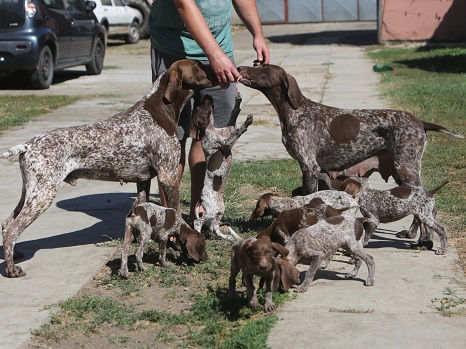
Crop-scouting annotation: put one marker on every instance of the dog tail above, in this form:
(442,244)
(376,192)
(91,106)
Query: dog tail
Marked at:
(428,126)
(433,191)
(17,149)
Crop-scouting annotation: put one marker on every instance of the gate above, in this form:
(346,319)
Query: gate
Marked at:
(300,11)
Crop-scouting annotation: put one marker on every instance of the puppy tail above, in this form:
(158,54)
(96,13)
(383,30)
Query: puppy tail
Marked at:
(17,149)
(433,191)
(428,126)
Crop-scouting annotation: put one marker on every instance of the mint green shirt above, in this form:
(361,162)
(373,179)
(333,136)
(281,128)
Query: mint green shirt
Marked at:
(168,34)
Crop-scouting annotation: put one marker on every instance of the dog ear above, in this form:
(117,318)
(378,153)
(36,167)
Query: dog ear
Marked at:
(194,243)
(280,249)
(261,205)
(293,91)
(289,274)
(173,85)
(244,249)
(351,187)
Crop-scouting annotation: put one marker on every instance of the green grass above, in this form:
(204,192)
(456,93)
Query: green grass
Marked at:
(17,110)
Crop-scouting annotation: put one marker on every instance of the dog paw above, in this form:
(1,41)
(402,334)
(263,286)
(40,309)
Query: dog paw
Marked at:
(300,289)
(350,275)
(370,282)
(441,251)
(254,306)
(405,234)
(123,274)
(15,272)
(270,307)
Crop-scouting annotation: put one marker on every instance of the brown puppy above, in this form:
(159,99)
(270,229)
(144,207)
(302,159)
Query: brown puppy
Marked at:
(255,257)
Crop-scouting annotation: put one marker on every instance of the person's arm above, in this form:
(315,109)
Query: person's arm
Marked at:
(222,66)
(247,12)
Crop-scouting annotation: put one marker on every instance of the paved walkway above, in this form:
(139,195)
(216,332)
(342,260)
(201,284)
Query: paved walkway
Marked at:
(61,247)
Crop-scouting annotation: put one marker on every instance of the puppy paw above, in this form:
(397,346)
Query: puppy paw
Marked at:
(441,251)
(370,282)
(405,234)
(300,289)
(254,306)
(123,273)
(270,307)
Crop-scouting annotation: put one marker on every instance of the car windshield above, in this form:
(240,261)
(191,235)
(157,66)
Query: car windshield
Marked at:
(11,14)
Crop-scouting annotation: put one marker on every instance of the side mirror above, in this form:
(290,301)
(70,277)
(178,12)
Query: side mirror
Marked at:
(90,5)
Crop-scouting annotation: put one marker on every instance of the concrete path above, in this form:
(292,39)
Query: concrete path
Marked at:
(62,247)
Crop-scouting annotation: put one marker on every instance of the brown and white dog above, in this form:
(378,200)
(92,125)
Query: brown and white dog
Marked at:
(150,221)
(256,257)
(133,146)
(217,144)
(325,138)
(290,221)
(385,206)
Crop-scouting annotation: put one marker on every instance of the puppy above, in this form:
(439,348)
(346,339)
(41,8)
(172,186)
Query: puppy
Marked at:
(256,257)
(150,221)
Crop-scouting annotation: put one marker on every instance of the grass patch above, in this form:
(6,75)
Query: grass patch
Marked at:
(430,82)
(17,110)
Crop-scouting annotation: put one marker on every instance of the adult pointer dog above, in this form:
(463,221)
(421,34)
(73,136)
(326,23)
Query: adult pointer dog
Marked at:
(132,146)
(323,138)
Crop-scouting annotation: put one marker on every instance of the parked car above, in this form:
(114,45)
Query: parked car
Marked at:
(40,37)
(118,20)
(142,6)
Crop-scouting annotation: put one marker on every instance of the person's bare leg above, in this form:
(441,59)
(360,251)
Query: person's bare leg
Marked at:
(163,200)
(197,167)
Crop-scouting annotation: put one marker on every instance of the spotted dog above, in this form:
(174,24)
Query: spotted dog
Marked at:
(217,144)
(324,138)
(150,221)
(132,146)
(317,244)
(290,221)
(271,204)
(385,206)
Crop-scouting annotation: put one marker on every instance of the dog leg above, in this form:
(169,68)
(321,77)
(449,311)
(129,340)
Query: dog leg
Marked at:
(251,292)
(310,273)
(123,272)
(269,306)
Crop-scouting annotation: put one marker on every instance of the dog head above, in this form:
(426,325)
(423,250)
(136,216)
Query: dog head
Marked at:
(273,81)
(257,255)
(262,206)
(187,74)
(192,243)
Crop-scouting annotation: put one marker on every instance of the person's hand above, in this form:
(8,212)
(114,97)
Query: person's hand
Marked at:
(262,50)
(224,70)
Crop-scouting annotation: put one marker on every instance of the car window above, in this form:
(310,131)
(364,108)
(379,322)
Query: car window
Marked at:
(59,4)
(118,3)
(75,6)
(106,2)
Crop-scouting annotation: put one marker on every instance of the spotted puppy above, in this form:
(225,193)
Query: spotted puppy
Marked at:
(132,146)
(318,243)
(271,204)
(324,138)
(217,144)
(385,206)
(290,221)
(150,221)
(256,257)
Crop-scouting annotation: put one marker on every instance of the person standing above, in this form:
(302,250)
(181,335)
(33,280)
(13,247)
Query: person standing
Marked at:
(200,30)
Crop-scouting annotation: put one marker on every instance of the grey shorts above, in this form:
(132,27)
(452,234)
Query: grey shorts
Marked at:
(224,100)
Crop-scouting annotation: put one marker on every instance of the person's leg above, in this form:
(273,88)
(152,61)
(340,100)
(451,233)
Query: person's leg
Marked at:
(197,166)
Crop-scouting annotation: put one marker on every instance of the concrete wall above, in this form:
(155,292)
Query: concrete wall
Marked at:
(435,20)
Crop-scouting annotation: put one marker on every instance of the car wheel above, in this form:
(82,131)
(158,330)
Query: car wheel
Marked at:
(95,66)
(42,77)
(133,34)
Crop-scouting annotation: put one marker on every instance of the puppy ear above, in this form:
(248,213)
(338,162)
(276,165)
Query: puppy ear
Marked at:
(243,251)
(293,91)
(194,243)
(280,249)
(289,274)
(259,211)
(351,187)
(173,85)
